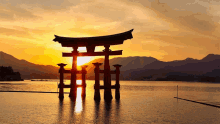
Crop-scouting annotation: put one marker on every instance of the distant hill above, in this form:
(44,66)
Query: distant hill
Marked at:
(28,70)
(149,68)
(129,63)
(133,68)
(206,69)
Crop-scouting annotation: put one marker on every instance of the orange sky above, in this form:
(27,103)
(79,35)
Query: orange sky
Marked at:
(165,30)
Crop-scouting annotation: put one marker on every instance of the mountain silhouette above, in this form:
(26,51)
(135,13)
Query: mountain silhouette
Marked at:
(28,70)
(207,67)
(211,57)
(128,63)
(133,68)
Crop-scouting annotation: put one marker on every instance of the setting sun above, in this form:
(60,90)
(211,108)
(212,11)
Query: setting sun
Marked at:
(83,60)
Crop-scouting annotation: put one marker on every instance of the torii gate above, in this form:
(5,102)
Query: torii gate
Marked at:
(90,43)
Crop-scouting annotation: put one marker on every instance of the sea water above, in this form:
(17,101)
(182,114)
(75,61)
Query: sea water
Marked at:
(141,102)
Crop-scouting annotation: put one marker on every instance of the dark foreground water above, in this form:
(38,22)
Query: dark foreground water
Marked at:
(141,102)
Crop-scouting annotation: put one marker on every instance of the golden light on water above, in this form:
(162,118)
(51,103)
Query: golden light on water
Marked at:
(78,106)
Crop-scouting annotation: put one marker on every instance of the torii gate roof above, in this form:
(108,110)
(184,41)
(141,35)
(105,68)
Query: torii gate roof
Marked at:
(114,39)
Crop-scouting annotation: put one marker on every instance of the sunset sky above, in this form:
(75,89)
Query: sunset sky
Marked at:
(164,29)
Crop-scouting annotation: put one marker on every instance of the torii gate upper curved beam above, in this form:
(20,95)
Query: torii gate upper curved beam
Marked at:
(114,39)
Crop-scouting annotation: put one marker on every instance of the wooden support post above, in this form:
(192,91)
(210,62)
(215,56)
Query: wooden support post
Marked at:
(73,87)
(61,85)
(177,92)
(107,75)
(117,85)
(84,80)
(97,84)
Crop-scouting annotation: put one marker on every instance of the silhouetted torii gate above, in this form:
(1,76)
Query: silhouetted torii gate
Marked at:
(90,43)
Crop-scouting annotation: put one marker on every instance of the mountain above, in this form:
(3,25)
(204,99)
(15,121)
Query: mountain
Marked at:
(133,68)
(28,70)
(211,57)
(128,63)
(149,68)
(200,70)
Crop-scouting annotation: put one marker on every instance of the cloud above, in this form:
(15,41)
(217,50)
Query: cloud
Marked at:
(23,32)
(13,10)
(44,4)
(200,17)
(104,9)
(38,30)
(195,21)
(14,32)
(199,22)
(12,13)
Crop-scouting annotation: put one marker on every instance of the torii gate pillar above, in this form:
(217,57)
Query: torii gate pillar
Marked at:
(117,85)
(84,81)
(73,87)
(107,75)
(61,71)
(97,84)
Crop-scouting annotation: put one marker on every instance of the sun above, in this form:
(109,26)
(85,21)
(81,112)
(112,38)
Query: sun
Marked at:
(82,60)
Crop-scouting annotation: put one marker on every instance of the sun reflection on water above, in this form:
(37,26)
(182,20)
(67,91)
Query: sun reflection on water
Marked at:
(78,82)
(78,106)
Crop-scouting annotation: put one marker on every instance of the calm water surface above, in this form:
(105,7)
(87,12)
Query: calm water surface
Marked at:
(141,102)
